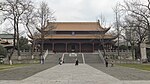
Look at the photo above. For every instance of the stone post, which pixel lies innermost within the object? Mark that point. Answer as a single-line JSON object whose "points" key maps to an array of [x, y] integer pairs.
{"points": [[143, 52]]}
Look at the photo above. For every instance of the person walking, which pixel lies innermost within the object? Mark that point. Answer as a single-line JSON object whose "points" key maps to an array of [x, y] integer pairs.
{"points": [[112, 63], [76, 62], [106, 62], [60, 61]]}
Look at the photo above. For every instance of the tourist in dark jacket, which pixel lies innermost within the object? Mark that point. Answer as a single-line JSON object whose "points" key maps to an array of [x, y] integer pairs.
{"points": [[106, 62], [60, 61], [76, 62]]}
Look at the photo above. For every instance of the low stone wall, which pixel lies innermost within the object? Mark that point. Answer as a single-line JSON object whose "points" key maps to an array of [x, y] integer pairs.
{"points": [[124, 54], [24, 58]]}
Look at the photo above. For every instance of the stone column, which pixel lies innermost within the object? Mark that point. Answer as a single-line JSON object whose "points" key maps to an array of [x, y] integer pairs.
{"points": [[143, 52]]}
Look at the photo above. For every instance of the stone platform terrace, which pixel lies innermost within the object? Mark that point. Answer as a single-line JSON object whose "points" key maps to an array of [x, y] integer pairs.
{"points": [[71, 74]]}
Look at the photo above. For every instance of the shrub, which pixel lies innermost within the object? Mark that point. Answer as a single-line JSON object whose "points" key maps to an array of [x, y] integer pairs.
{"points": [[3, 52], [148, 54], [123, 47]]}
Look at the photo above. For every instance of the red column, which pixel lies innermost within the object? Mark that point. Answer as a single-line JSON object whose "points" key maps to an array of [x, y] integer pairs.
{"points": [[93, 47], [80, 46], [53, 47], [66, 47]]}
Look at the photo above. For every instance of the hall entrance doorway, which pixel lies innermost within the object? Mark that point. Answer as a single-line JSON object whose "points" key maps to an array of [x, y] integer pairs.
{"points": [[73, 47]]}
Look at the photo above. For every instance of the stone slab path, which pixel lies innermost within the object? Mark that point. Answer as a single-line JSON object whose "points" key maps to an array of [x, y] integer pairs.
{"points": [[70, 74]]}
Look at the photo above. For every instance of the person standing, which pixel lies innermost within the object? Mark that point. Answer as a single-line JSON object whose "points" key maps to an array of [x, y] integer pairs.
{"points": [[112, 63], [106, 62], [60, 61], [76, 62]]}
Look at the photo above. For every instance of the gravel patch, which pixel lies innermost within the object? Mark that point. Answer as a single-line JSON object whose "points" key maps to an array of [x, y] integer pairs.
{"points": [[23, 72], [123, 73]]}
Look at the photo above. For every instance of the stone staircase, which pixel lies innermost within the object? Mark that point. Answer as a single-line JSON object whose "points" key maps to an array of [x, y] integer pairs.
{"points": [[71, 59], [88, 58], [92, 58], [53, 58]]}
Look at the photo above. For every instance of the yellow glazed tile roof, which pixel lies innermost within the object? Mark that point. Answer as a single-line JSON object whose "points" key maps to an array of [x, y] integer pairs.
{"points": [[77, 26], [79, 37]]}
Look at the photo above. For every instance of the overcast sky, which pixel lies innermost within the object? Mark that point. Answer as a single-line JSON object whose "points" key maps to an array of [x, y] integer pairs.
{"points": [[82, 10], [79, 10]]}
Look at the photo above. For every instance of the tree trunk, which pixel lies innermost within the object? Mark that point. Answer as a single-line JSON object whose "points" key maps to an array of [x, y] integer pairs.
{"points": [[102, 43], [132, 50], [32, 50], [42, 32], [139, 51], [104, 51], [18, 45], [9, 57], [33, 43], [42, 41], [149, 35], [14, 43]]}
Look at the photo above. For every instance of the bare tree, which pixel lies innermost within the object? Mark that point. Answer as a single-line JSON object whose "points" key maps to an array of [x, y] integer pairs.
{"points": [[101, 34], [142, 11], [117, 25], [136, 19], [13, 10], [136, 34], [29, 22], [130, 33], [45, 20]]}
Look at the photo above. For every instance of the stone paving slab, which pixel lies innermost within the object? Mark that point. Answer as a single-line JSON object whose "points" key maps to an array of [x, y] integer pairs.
{"points": [[123, 73], [23, 72], [70, 74], [137, 82]]}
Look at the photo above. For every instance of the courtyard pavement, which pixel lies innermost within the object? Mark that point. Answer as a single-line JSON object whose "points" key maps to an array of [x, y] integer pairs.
{"points": [[123, 73], [71, 74]]}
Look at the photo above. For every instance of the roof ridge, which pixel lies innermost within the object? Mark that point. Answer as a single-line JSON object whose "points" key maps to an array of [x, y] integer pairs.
{"points": [[75, 22]]}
